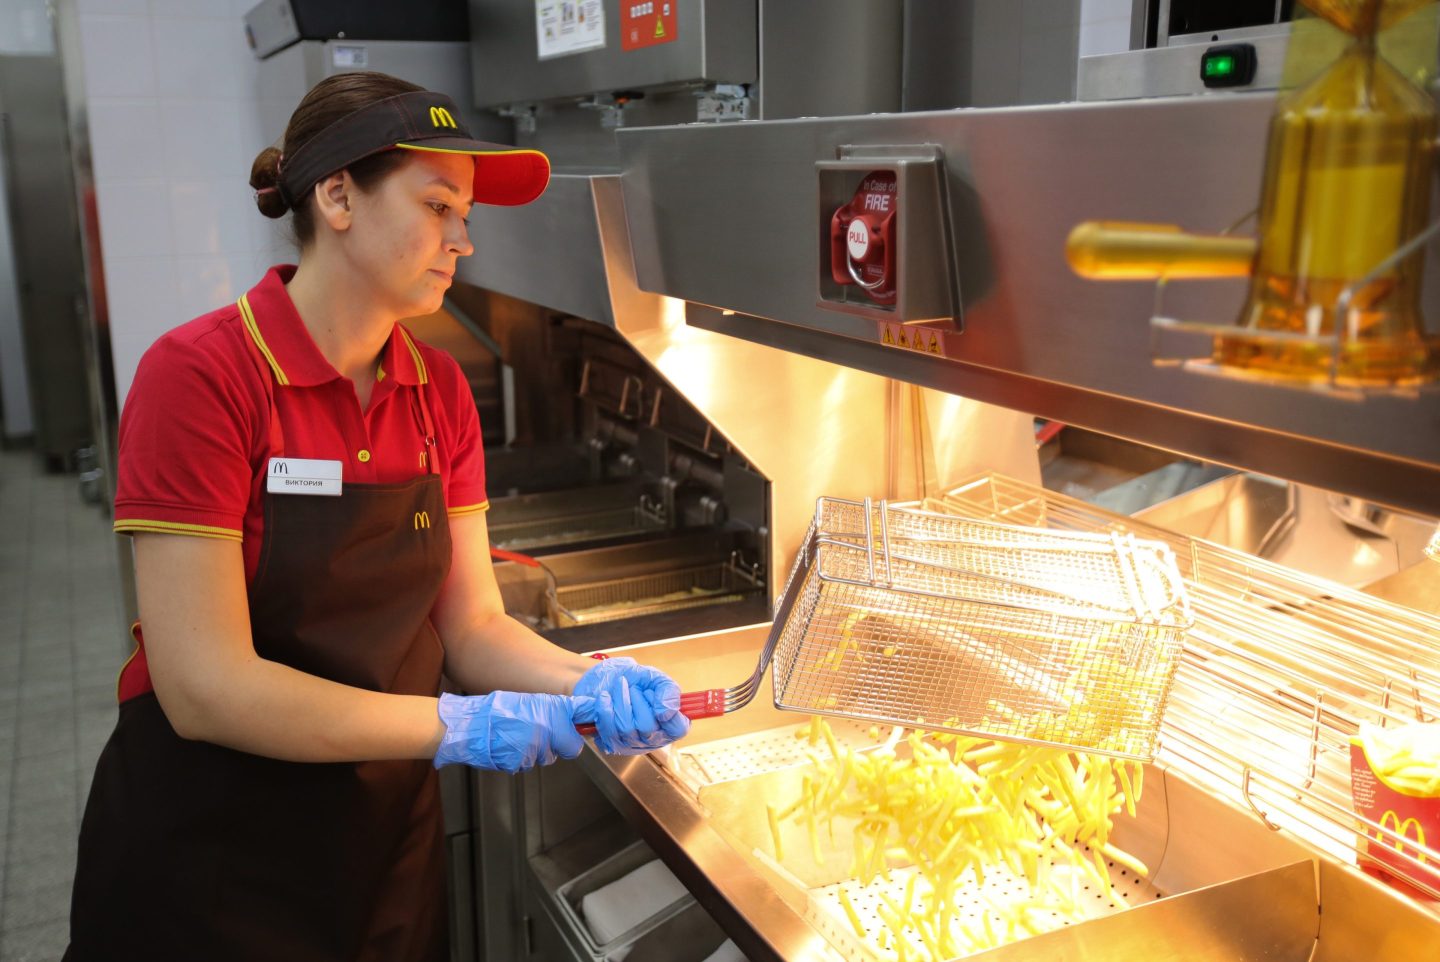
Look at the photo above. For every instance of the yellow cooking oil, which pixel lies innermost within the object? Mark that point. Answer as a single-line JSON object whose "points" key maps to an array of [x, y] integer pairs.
{"points": [[1347, 182]]}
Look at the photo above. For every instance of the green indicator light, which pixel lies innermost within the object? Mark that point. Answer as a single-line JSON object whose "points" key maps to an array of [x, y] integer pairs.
{"points": [[1220, 66]]}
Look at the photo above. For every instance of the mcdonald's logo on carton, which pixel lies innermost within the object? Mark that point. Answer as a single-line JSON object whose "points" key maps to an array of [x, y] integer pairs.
{"points": [[422, 520], [440, 117], [1399, 829], [1391, 821]]}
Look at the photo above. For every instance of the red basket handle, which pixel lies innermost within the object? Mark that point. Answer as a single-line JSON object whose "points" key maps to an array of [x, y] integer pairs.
{"points": [[693, 704]]}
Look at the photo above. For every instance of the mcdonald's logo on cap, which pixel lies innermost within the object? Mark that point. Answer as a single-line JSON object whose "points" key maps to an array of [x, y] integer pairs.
{"points": [[440, 117], [1391, 820], [422, 520]]}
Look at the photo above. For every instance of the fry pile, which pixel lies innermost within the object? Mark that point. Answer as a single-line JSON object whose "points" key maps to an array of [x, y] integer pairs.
{"points": [[1407, 757], [956, 809]]}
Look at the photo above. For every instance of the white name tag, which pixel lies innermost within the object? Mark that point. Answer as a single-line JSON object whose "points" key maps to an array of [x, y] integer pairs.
{"points": [[303, 476]]}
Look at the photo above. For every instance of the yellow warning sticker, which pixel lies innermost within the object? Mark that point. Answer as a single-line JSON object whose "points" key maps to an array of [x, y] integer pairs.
{"points": [[921, 339]]}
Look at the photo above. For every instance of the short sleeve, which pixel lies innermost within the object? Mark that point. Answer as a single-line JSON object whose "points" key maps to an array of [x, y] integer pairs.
{"points": [[463, 460], [186, 438]]}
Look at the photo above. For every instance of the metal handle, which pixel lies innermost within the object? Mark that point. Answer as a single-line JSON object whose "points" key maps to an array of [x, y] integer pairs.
{"points": [[500, 554], [1116, 250], [693, 705], [855, 274]]}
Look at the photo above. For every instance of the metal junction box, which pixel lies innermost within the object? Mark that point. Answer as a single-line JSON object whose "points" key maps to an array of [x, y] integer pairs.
{"points": [[579, 47]]}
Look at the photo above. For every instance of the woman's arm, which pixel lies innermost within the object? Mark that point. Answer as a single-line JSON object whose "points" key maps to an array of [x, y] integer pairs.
{"points": [[215, 688], [485, 649]]}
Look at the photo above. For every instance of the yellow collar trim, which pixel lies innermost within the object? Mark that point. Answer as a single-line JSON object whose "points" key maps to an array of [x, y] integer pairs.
{"points": [[415, 353], [248, 317]]}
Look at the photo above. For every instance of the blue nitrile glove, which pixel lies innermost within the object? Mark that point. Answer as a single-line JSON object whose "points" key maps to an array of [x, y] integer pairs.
{"points": [[637, 708], [508, 731]]}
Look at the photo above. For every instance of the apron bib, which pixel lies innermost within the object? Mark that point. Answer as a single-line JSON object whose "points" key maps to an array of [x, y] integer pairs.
{"points": [[192, 851]]}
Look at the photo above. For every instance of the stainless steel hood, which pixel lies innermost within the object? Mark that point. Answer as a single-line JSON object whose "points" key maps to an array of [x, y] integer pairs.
{"points": [[725, 218]]}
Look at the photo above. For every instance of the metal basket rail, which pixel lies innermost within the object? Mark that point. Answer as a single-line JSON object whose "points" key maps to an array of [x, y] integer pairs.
{"points": [[918, 618], [1278, 672], [1002, 564]]}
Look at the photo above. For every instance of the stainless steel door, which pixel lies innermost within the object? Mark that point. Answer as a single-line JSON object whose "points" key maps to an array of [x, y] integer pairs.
{"points": [[48, 261]]}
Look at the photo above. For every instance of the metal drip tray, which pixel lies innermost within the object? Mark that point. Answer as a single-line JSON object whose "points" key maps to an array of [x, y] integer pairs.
{"points": [[676, 590], [733, 779]]}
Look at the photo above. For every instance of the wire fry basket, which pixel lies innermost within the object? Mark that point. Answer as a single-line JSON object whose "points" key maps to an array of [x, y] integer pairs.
{"points": [[906, 617]]}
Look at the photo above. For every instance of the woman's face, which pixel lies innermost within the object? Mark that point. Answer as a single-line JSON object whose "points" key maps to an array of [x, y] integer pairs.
{"points": [[407, 234]]}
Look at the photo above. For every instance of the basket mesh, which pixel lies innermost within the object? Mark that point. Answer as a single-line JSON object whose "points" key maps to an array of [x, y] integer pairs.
{"points": [[1014, 633]]}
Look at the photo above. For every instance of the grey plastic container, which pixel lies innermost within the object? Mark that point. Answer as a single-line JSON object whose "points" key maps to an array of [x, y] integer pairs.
{"points": [[617, 866]]}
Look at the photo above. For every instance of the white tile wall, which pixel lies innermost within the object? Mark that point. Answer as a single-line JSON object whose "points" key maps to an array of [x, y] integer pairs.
{"points": [[25, 27], [125, 139], [203, 58], [205, 283], [127, 7], [194, 8], [176, 118], [143, 294], [134, 220], [203, 139], [1104, 26], [211, 217], [119, 57]]}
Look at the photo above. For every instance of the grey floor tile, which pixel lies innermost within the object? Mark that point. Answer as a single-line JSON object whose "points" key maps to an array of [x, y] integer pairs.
{"points": [[58, 761], [62, 640], [43, 819], [24, 907], [57, 844], [55, 789], [45, 744], [40, 660], [42, 690], [43, 942], [36, 872]]}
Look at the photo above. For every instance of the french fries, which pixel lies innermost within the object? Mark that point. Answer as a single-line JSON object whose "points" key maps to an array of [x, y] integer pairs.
{"points": [[1405, 758], [956, 809]]}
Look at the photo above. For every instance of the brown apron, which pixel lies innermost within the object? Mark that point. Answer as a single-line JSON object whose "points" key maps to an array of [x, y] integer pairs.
{"points": [[191, 851]]}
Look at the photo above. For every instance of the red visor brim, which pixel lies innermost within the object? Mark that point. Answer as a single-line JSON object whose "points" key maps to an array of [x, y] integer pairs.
{"points": [[504, 176]]}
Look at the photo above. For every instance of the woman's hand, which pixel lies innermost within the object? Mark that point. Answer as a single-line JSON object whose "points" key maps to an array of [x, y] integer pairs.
{"points": [[507, 731], [637, 708]]}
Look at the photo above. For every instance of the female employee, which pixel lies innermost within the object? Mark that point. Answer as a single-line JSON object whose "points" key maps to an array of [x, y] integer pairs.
{"points": [[305, 486]]}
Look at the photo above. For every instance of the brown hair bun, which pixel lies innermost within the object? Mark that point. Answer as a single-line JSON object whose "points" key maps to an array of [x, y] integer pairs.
{"points": [[332, 99], [265, 178]]}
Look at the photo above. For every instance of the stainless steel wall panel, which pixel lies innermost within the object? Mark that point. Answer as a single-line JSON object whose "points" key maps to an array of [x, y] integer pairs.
{"points": [[820, 58], [49, 264]]}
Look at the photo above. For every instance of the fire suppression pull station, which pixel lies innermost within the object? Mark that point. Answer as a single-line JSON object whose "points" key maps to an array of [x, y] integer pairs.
{"points": [[887, 246], [862, 238]]}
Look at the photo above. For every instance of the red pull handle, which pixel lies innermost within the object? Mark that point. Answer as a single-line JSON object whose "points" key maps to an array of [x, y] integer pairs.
{"points": [[500, 554], [693, 705]]}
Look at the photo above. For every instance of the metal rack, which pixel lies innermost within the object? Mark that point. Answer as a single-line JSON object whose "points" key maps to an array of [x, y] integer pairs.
{"points": [[1277, 674]]}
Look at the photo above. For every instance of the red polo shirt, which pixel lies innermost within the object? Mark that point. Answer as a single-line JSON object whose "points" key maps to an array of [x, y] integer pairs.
{"points": [[195, 432]]}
